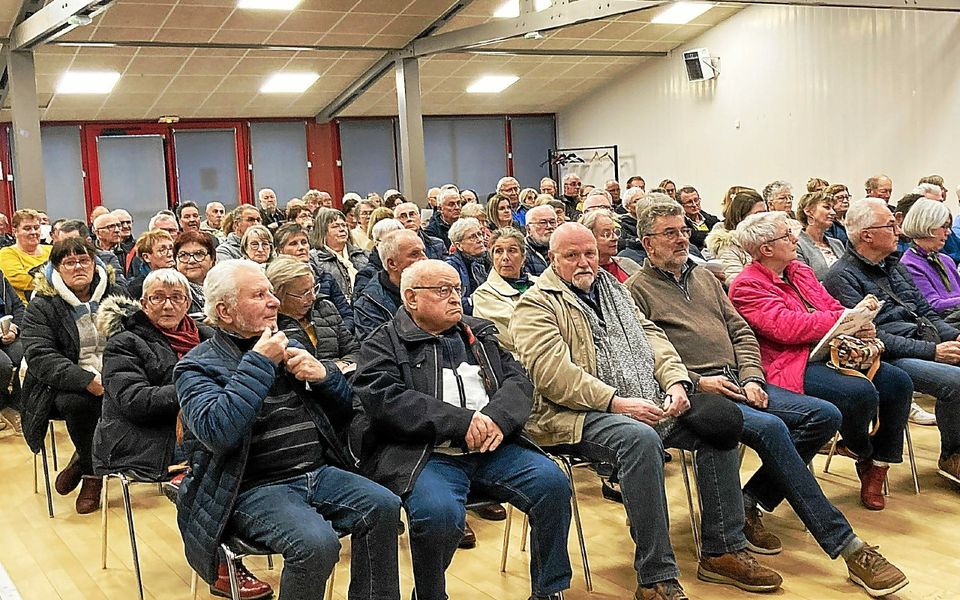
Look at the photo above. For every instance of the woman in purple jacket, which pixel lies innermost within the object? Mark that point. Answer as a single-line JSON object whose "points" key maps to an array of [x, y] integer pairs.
{"points": [[935, 274]]}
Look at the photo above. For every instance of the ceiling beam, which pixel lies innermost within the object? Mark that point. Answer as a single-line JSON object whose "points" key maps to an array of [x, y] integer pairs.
{"points": [[53, 21], [563, 13], [27, 9], [223, 46], [924, 5], [381, 67], [574, 52]]}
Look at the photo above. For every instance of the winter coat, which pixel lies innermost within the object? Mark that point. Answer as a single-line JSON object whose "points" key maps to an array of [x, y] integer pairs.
{"points": [[725, 248], [400, 388], [495, 301], [137, 429], [535, 262], [555, 342], [852, 277], [439, 229], [51, 344], [229, 248], [221, 392], [927, 279], [373, 308], [698, 237], [810, 255], [778, 315], [472, 275], [334, 340], [369, 272], [324, 260], [433, 246], [11, 304]]}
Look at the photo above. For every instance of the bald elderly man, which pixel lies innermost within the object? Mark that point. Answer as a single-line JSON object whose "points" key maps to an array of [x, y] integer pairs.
{"points": [[446, 406]]}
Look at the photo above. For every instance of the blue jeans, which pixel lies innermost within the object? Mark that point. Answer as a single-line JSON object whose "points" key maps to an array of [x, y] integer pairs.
{"points": [[300, 518], [636, 450], [888, 397], [787, 435], [941, 381], [512, 473]]}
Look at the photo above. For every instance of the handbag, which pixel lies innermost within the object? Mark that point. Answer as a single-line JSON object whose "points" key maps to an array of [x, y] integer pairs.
{"points": [[852, 355]]}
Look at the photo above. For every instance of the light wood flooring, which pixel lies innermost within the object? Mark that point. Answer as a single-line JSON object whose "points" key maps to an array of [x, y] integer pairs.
{"points": [[60, 557]]}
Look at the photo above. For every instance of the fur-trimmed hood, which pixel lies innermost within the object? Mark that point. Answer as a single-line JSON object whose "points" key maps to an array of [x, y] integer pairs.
{"points": [[112, 313], [720, 238], [43, 284]]}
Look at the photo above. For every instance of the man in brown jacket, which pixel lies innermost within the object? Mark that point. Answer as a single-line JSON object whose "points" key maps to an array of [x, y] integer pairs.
{"points": [[621, 401]]}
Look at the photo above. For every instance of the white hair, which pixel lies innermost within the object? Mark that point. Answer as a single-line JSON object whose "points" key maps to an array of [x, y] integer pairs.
{"points": [[119, 212], [447, 192], [161, 216], [351, 196], [389, 244], [404, 206], [263, 192], [413, 275], [570, 177], [505, 180], [758, 229], [220, 286], [628, 195], [383, 227], [928, 188], [546, 209], [925, 215], [860, 216], [459, 229], [165, 277]]}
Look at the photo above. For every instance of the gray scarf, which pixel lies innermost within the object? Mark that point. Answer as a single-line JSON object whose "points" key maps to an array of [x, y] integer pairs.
{"points": [[624, 355]]}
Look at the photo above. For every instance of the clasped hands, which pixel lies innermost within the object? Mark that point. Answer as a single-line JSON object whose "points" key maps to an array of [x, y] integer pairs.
{"points": [[646, 412], [299, 363], [483, 435]]}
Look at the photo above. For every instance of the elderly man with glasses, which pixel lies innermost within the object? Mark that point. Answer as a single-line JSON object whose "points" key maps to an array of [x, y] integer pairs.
{"points": [[916, 337], [541, 223], [446, 406], [698, 220]]}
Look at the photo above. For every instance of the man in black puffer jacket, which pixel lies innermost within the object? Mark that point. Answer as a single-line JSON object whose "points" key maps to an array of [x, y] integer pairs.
{"points": [[443, 412]]}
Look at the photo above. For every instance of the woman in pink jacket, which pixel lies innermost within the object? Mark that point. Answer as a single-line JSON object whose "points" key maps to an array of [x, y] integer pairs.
{"points": [[790, 311]]}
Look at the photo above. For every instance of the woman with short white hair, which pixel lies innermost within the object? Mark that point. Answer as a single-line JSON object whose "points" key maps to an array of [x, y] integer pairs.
{"points": [[468, 257], [935, 274]]}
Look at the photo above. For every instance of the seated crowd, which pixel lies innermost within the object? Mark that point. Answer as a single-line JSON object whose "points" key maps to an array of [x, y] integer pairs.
{"points": [[303, 373]]}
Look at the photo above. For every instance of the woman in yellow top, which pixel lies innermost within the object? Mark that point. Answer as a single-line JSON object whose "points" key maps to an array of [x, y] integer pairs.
{"points": [[18, 260]]}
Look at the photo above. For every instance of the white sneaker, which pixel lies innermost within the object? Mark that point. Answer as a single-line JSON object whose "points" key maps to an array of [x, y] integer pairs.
{"points": [[918, 416]]}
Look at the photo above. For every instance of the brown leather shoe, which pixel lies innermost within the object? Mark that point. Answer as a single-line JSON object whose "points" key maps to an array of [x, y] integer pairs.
{"points": [[759, 540], [739, 569], [69, 477], [950, 467], [88, 500], [878, 576], [492, 512], [469, 539], [249, 586], [871, 484], [662, 590]]}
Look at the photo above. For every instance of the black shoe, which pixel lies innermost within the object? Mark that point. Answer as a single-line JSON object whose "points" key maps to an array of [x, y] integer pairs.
{"points": [[610, 492], [492, 512], [469, 539]]}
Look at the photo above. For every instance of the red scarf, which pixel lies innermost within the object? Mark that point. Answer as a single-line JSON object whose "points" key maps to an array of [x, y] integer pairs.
{"points": [[184, 338]]}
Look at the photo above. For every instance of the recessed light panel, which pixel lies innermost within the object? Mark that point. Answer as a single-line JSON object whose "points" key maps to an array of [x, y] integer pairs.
{"points": [[682, 13], [268, 4], [288, 83], [492, 84], [511, 8], [87, 82]]}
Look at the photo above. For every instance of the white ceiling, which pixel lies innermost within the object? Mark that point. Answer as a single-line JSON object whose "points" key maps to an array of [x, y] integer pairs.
{"points": [[206, 83]]}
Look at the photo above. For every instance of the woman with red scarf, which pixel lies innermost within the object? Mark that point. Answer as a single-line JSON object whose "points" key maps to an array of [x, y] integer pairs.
{"points": [[137, 429]]}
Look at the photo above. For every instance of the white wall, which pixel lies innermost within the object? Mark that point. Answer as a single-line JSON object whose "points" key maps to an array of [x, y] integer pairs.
{"points": [[835, 93]]}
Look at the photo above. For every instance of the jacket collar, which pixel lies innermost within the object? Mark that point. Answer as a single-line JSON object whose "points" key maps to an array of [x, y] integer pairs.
{"points": [[886, 265], [500, 285], [667, 275], [409, 331]]}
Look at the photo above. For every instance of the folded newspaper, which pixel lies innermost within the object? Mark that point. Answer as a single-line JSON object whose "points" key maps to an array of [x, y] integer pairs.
{"points": [[851, 321]]}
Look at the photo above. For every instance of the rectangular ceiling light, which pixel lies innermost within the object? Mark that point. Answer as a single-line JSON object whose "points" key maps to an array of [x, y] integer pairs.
{"points": [[288, 83], [682, 13], [268, 4], [87, 82], [511, 8], [492, 84]]}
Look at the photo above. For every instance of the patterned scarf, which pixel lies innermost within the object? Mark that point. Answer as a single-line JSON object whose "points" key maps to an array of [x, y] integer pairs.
{"points": [[624, 356]]}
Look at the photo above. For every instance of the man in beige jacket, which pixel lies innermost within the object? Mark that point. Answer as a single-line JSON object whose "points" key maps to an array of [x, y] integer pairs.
{"points": [[623, 400]]}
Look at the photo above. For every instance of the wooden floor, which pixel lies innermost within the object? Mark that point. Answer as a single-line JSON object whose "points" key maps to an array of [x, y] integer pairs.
{"points": [[60, 557]]}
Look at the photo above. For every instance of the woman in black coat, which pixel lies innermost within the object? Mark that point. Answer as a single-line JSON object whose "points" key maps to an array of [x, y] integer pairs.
{"points": [[312, 321], [64, 354]]}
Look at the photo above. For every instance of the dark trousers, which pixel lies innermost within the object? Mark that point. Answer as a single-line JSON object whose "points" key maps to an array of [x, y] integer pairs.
{"points": [[11, 355], [81, 411]]}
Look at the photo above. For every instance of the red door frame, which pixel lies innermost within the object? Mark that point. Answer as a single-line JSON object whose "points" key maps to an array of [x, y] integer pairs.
{"points": [[7, 200]]}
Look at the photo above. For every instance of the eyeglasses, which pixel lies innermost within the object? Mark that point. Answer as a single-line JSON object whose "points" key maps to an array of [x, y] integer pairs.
{"points": [[612, 234], [693, 202], [443, 291], [841, 198], [672, 234], [163, 250], [160, 299], [787, 235], [126, 223], [82, 263], [187, 257], [473, 237], [111, 227], [893, 227], [545, 223], [337, 225], [311, 293], [258, 245]]}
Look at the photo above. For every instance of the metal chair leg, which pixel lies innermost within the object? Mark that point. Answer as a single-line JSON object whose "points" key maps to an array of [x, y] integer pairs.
{"points": [[36, 483], [193, 584], [46, 480], [125, 486], [525, 526], [103, 522], [232, 570], [53, 446], [694, 526], [270, 561], [506, 539], [568, 467], [833, 450], [913, 460]]}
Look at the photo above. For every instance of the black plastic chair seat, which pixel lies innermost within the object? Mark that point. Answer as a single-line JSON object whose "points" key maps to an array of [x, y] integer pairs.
{"points": [[239, 545]]}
